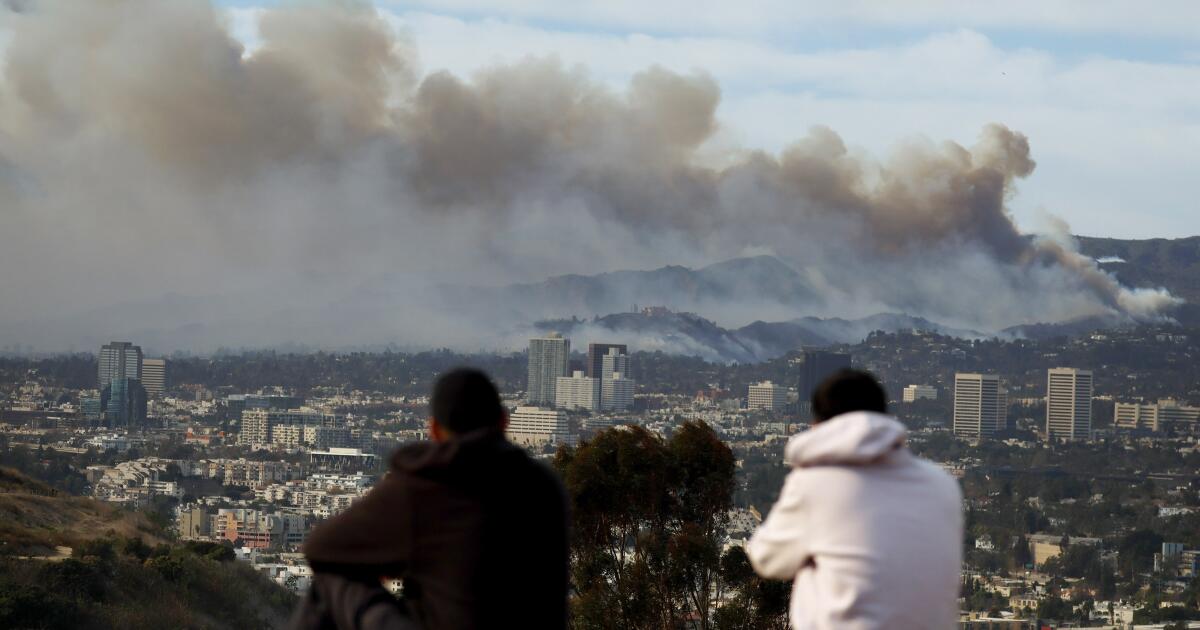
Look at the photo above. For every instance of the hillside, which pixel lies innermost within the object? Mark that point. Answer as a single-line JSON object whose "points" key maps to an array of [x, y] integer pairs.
{"points": [[735, 289], [35, 519], [692, 335], [672, 333], [1157, 262], [770, 297], [115, 569]]}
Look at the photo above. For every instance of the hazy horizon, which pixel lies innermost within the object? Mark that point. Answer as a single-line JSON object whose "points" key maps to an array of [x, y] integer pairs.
{"points": [[236, 174]]}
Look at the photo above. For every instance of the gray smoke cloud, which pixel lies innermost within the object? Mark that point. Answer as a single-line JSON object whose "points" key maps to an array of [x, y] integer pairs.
{"points": [[320, 187]]}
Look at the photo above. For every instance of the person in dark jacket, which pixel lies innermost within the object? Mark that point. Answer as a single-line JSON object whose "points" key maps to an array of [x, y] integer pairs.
{"points": [[474, 528]]}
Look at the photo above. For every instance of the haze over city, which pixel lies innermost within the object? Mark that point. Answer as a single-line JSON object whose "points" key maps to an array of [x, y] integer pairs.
{"points": [[458, 314], [234, 174]]}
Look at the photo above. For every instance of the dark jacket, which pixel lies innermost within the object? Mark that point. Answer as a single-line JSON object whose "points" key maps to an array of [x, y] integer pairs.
{"points": [[475, 528]]}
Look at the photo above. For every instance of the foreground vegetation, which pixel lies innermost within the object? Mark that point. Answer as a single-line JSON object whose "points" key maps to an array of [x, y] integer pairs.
{"points": [[72, 562]]}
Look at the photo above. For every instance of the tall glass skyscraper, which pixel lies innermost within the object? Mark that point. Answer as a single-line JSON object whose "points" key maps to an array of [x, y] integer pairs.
{"points": [[118, 360], [596, 354], [124, 403], [549, 358], [815, 367]]}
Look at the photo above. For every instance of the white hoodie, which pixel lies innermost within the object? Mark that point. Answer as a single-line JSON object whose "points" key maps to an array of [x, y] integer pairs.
{"points": [[871, 533]]}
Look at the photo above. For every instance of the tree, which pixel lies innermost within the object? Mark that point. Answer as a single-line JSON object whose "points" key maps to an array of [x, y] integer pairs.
{"points": [[1021, 556], [1137, 550], [1054, 607], [755, 602], [704, 472], [649, 516]]}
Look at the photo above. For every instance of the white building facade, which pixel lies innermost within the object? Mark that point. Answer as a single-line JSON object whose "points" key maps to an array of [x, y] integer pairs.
{"points": [[617, 393], [577, 392], [154, 377], [913, 393], [1068, 404], [767, 396], [537, 426], [1156, 416], [980, 405]]}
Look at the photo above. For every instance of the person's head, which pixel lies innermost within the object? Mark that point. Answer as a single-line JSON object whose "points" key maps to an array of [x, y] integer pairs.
{"points": [[464, 400], [845, 391]]}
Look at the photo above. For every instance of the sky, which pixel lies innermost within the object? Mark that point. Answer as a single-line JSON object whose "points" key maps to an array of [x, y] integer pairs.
{"points": [[199, 171], [1107, 92]]}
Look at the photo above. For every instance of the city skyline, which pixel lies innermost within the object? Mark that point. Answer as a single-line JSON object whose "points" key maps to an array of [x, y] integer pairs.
{"points": [[599, 314]]}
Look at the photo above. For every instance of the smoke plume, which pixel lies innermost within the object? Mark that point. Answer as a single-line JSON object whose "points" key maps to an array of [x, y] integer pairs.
{"points": [[318, 188]]}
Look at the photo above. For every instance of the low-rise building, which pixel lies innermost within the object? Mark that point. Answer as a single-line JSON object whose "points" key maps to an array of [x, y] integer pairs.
{"points": [[913, 393], [577, 392], [766, 396], [536, 426]]}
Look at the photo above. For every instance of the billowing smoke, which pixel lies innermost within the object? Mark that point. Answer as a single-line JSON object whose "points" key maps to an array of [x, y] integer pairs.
{"points": [[316, 189]]}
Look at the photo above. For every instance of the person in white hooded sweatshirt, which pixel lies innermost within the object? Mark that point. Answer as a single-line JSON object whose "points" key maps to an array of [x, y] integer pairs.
{"points": [[871, 534]]}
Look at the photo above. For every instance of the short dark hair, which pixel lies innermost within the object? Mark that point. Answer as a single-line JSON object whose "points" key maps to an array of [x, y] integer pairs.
{"points": [[847, 390], [464, 399]]}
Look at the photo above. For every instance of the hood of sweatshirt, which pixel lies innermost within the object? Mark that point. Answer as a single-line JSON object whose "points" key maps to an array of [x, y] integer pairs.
{"points": [[851, 439], [467, 458]]}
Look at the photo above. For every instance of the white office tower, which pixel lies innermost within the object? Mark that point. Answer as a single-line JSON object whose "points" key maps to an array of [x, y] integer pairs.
{"points": [[980, 405], [1068, 404], [612, 362], [549, 358], [617, 393], [913, 393], [119, 360], [154, 376], [614, 366], [535, 426], [766, 395], [577, 391]]}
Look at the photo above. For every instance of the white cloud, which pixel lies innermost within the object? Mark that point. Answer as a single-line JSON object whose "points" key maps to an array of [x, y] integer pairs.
{"points": [[1171, 18]]}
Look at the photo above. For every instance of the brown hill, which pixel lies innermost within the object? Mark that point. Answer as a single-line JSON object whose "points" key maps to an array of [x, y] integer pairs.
{"points": [[35, 519], [74, 562]]}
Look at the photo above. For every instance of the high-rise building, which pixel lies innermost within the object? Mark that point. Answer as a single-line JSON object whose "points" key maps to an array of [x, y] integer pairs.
{"points": [[534, 426], [549, 358], [913, 393], [616, 393], [816, 366], [1068, 404], [118, 360], [123, 403], [154, 376], [980, 405], [91, 407], [615, 365], [577, 392], [1002, 397], [596, 353], [766, 395], [614, 361]]}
